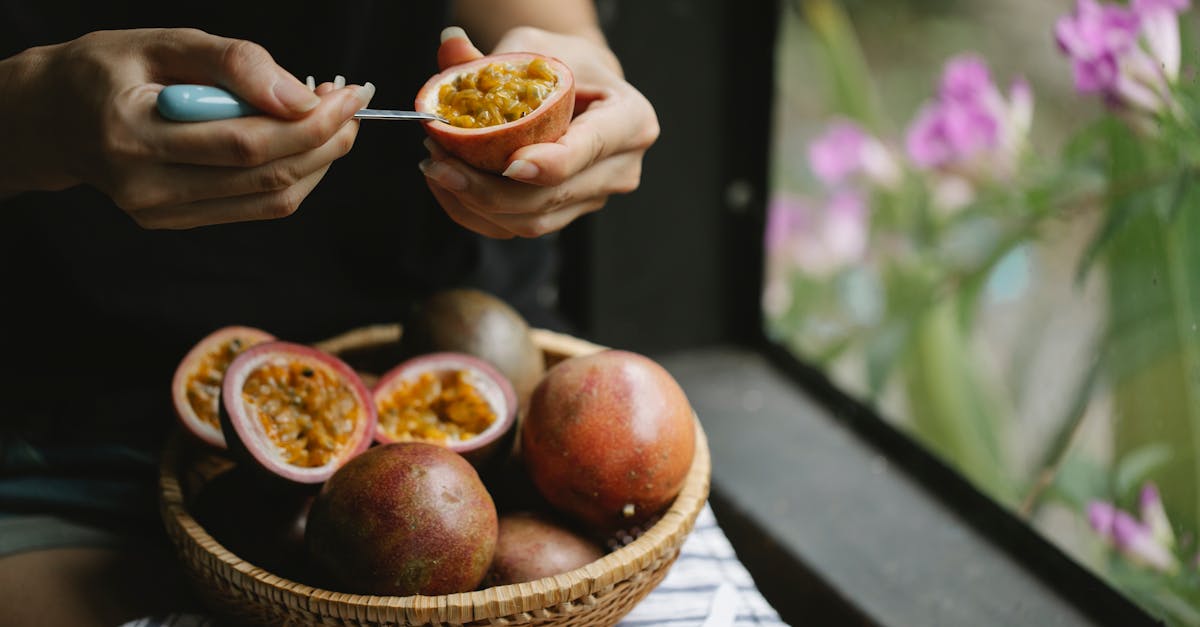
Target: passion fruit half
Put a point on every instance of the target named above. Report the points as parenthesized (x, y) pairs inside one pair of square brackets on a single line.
[(295, 411), (497, 104), (450, 399), (196, 387)]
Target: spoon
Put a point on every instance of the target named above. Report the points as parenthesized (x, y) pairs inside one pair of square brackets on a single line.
[(201, 103)]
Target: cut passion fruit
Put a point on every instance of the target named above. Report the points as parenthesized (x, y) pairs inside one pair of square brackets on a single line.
[(196, 388), (451, 399), (297, 412), (498, 104)]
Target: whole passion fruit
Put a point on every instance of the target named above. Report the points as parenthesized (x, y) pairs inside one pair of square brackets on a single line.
[(196, 387), (295, 411), (262, 526), (533, 546), (451, 399), (476, 323), (402, 519), (498, 104), (609, 438)]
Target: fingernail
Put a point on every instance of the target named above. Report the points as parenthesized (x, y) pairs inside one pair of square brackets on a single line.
[(311, 83), (443, 175), (433, 147), (522, 170), (450, 32), (339, 81), (366, 93), (295, 96)]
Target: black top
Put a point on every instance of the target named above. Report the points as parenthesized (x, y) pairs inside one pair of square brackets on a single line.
[(100, 311)]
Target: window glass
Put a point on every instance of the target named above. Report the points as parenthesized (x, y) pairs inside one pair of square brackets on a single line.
[(985, 222)]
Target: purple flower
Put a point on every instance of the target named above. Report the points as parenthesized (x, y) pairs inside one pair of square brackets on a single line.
[(818, 240), (844, 150), (1150, 508), (1127, 55), (1147, 542), (970, 129)]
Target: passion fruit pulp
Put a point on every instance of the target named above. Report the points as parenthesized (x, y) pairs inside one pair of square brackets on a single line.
[(519, 98), (476, 323), (295, 411), (402, 519), (609, 439), (450, 399), (196, 386)]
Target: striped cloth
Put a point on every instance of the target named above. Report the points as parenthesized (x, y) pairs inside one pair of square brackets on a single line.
[(684, 598)]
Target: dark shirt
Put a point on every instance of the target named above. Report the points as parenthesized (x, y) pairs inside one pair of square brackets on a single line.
[(99, 311)]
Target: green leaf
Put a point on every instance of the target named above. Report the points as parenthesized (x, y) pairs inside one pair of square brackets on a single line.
[(1135, 466), (1079, 481)]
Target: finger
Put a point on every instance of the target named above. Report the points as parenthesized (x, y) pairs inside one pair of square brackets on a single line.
[(621, 121), (173, 184), (251, 207), (244, 67), (456, 48), (487, 193), (537, 225), (253, 140), (464, 217)]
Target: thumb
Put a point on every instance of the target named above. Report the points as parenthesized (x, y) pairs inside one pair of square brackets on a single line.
[(456, 48), (241, 66)]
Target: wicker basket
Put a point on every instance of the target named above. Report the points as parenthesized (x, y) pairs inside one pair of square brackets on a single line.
[(598, 594)]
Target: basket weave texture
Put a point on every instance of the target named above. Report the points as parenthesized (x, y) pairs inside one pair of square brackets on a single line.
[(598, 594)]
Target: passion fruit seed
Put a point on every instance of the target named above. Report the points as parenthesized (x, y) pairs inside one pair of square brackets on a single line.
[(435, 407), (204, 384), (308, 413), (496, 94)]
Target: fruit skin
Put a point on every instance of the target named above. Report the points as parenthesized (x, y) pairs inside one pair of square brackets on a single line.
[(609, 438), (402, 519), (532, 546), (490, 147), (250, 447), (476, 323), (204, 432), (484, 449), (260, 524)]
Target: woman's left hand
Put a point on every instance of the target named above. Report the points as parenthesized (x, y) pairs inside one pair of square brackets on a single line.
[(546, 186)]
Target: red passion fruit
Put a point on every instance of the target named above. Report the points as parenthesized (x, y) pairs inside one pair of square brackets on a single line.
[(295, 411), (450, 399), (498, 104), (532, 546), (609, 438), (196, 387), (402, 519)]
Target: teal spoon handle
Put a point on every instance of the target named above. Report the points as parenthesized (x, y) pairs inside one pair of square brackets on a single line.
[(200, 103)]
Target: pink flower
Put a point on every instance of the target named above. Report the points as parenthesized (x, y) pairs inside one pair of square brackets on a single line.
[(1147, 542), (818, 240), (970, 129), (844, 150), (1127, 55)]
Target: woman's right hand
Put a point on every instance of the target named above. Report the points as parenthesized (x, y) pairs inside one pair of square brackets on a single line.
[(84, 112)]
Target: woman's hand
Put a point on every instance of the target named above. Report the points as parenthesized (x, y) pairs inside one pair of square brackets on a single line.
[(546, 186), (84, 112)]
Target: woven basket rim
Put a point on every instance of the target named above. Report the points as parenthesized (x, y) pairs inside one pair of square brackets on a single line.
[(656, 543)]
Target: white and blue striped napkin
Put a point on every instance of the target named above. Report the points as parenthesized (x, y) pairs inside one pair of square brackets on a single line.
[(684, 598)]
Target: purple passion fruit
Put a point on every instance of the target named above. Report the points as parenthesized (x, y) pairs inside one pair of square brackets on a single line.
[(609, 438), (403, 519), (450, 399), (533, 546), (295, 411), (262, 526), (196, 388), (498, 104)]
